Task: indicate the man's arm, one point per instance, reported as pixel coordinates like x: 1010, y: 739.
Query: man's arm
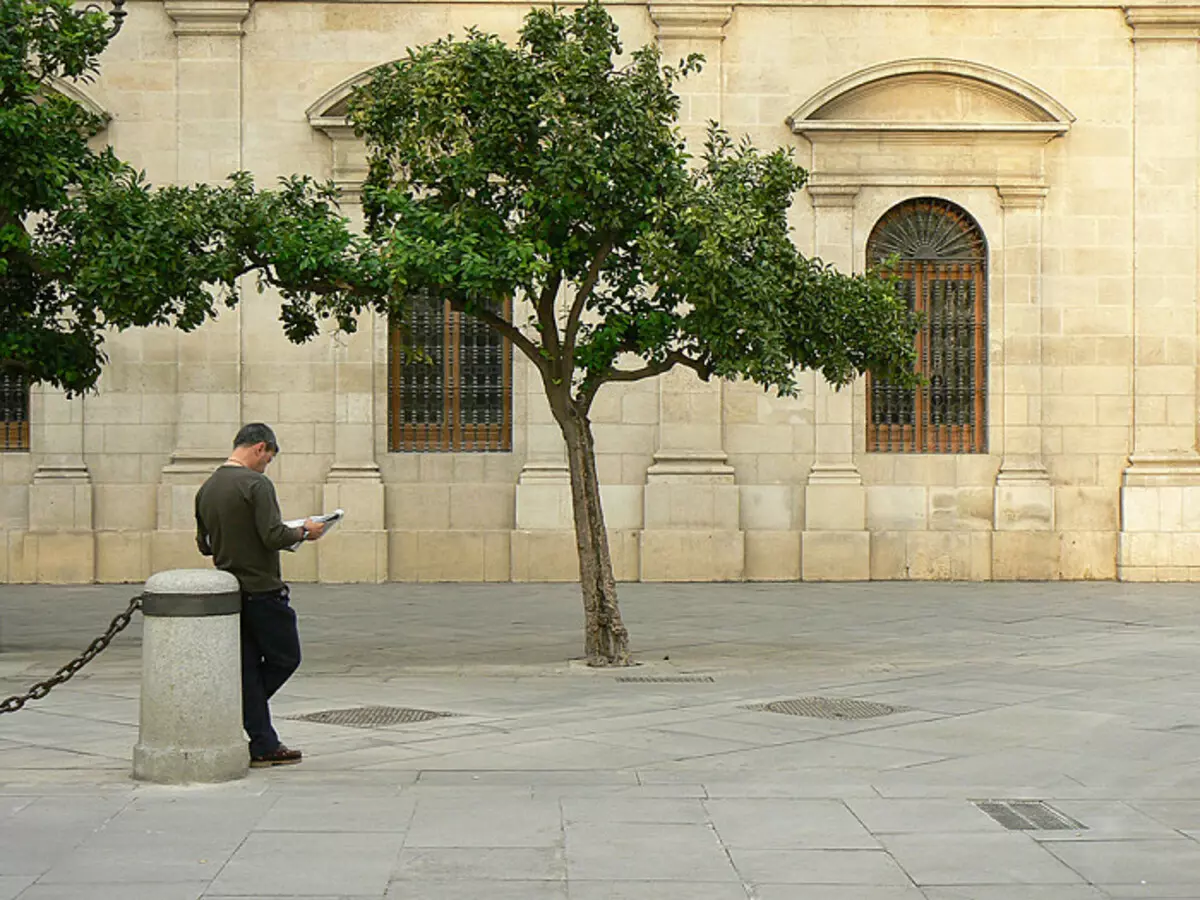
x: 267, y: 519
x: 203, y: 543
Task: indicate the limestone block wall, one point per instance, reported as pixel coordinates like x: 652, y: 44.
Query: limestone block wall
x: 1067, y: 132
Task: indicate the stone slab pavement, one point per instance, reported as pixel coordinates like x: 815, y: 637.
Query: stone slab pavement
x: 555, y: 782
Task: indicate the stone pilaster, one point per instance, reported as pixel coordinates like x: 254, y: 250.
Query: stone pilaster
x: 1160, y: 494
x: 208, y: 42
x: 1025, y: 545
x: 60, y: 547
x: 835, y: 545
x: 691, y: 528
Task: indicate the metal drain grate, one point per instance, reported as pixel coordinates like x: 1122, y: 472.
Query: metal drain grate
x: 371, y: 716
x: 666, y: 679
x: 827, y: 708
x: 1028, y: 815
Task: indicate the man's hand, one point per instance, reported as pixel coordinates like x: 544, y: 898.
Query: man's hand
x: 314, y: 529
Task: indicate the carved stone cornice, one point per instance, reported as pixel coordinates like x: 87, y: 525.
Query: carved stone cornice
x: 691, y: 21
x: 840, y: 196
x: 201, y: 17
x: 1164, y: 23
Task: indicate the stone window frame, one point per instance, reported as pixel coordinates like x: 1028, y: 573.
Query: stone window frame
x: 993, y: 169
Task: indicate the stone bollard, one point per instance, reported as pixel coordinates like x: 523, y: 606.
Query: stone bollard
x: 190, y: 725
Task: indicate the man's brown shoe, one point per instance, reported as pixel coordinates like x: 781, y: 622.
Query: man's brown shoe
x: 280, y: 756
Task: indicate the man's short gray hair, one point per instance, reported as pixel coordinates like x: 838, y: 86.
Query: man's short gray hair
x: 256, y: 433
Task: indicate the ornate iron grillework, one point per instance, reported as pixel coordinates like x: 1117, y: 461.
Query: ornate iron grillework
x: 14, y: 411
x: 449, y: 382
x: 1028, y: 815
x: 371, y: 716
x: 941, y: 273
x: 827, y: 708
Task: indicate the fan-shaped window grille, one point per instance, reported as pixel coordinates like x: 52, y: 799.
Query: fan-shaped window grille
x: 449, y: 384
x: 942, y: 267
x: 14, y: 411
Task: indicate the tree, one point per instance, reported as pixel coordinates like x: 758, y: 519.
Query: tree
x: 540, y: 171
x: 545, y: 171
x: 87, y: 245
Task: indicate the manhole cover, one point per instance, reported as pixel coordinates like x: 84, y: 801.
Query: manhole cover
x: 666, y: 679
x: 827, y: 708
x: 371, y: 716
x: 1028, y: 815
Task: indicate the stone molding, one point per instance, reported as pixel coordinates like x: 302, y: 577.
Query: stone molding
x: 1163, y: 23
x: 353, y: 473
x: 687, y: 21
x: 1022, y: 196
x: 1162, y: 470
x: 836, y: 196
x: 208, y: 17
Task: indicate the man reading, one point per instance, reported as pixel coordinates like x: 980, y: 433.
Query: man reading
x: 238, y: 524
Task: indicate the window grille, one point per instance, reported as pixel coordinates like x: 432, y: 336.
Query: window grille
x: 449, y: 384
x: 14, y: 412
x: 942, y: 273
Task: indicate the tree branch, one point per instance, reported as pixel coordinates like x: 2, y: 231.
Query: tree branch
x: 581, y: 297
x: 507, y: 329
x: 650, y: 370
x: 545, y: 314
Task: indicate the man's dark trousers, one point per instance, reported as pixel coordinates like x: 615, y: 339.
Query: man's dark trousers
x: 270, y: 654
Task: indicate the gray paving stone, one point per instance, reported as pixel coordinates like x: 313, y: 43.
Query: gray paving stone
x: 129, y: 890
x: 463, y: 822
x: 767, y: 824
x: 49, y: 829
x: 654, y: 890
x: 949, y: 859
x: 836, y: 892
x: 481, y: 863
x: 390, y: 814
x: 1009, y: 892
x: 642, y: 809
x: 12, y: 885
x: 462, y: 889
x: 642, y: 852
x: 816, y: 867
x: 1133, y: 862
x: 882, y: 816
x: 310, y: 863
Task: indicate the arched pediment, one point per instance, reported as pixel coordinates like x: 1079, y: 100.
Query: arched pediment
x: 72, y: 91
x: 334, y: 104
x: 931, y: 95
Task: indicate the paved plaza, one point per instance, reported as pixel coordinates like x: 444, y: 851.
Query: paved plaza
x: 554, y: 782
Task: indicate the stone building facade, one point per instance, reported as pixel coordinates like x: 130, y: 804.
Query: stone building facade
x: 1036, y: 164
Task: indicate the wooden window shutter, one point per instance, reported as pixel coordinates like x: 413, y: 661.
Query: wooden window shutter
x: 449, y: 384
x: 942, y: 273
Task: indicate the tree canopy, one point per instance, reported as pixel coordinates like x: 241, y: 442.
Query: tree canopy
x: 87, y: 245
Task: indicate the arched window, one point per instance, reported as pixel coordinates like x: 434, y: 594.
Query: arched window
x: 942, y: 272
x: 449, y: 383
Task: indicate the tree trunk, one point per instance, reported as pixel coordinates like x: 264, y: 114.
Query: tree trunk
x: 606, y: 642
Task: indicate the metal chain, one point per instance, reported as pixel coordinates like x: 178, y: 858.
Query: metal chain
x: 42, y: 688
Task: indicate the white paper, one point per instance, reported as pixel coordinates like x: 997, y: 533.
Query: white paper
x: 330, y: 520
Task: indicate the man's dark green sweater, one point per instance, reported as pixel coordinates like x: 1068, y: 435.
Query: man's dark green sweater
x: 238, y: 524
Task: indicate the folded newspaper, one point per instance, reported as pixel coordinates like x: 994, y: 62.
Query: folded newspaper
x: 330, y: 520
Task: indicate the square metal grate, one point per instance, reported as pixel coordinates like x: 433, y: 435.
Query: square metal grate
x: 827, y: 708
x: 1028, y: 815
x: 371, y: 716
x: 666, y: 679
